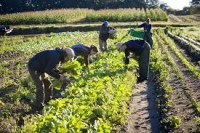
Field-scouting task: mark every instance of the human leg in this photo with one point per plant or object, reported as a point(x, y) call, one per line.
point(39, 88)
point(101, 44)
point(105, 46)
point(144, 62)
point(48, 89)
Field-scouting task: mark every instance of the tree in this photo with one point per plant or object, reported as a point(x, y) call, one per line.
point(152, 3)
point(9, 6)
point(164, 6)
point(195, 7)
point(195, 3)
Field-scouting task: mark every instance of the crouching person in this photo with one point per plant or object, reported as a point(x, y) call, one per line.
point(43, 63)
point(140, 48)
point(84, 51)
point(5, 29)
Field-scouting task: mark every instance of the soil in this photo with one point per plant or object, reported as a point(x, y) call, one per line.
point(144, 115)
point(183, 93)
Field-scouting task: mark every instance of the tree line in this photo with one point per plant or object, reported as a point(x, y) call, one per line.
point(11, 6)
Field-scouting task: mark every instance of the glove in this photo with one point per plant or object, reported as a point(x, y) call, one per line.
point(63, 79)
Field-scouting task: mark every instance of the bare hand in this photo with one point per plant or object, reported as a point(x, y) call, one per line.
point(64, 79)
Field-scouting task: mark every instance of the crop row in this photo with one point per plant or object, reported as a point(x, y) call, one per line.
point(82, 15)
point(96, 101)
point(164, 89)
point(191, 33)
point(14, 93)
point(192, 48)
point(172, 120)
point(187, 63)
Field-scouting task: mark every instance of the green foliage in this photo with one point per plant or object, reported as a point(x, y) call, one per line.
point(72, 68)
point(86, 15)
point(175, 121)
point(95, 101)
point(69, 69)
point(197, 119)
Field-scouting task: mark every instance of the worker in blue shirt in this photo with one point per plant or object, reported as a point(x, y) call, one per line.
point(104, 34)
point(140, 48)
point(147, 31)
point(84, 51)
point(45, 62)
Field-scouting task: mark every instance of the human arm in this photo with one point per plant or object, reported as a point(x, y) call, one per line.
point(51, 69)
point(127, 53)
point(141, 26)
point(86, 60)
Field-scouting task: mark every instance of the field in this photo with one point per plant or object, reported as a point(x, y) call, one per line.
point(106, 98)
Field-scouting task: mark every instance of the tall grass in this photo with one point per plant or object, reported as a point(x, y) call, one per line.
point(124, 15)
point(45, 17)
point(82, 15)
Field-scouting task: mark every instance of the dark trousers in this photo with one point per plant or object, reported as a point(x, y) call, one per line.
point(144, 62)
point(103, 45)
point(44, 90)
point(148, 38)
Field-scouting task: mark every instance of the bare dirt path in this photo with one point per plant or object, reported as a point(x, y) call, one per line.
point(144, 116)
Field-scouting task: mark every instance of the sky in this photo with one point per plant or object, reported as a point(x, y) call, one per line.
point(177, 4)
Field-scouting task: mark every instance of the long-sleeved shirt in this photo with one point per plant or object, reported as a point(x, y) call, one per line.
point(46, 62)
point(104, 35)
point(82, 50)
point(134, 46)
point(147, 27)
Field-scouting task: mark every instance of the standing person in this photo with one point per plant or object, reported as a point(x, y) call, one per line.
point(140, 48)
point(104, 35)
point(147, 31)
point(84, 51)
point(45, 62)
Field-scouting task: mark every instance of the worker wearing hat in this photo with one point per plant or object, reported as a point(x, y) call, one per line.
point(103, 36)
point(140, 48)
point(45, 62)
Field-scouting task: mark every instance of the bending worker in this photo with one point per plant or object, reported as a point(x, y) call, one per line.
point(84, 51)
point(5, 29)
point(46, 62)
point(140, 48)
point(147, 31)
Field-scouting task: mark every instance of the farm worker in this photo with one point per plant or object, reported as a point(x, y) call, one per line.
point(84, 51)
point(104, 35)
point(139, 48)
point(147, 31)
point(45, 62)
point(5, 29)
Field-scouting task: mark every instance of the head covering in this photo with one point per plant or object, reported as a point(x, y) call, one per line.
point(69, 53)
point(106, 23)
point(119, 44)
